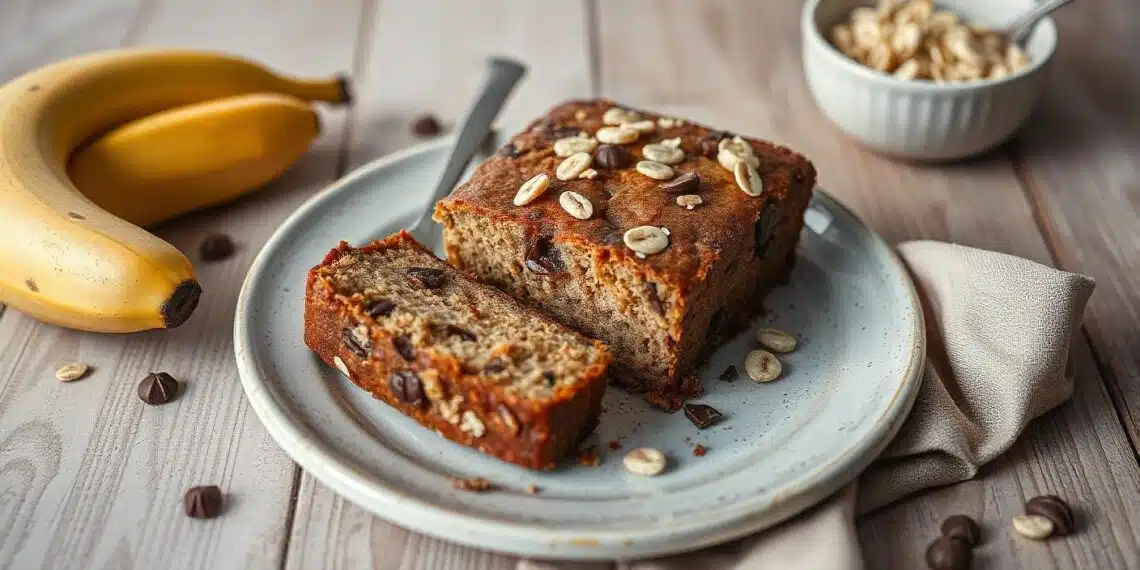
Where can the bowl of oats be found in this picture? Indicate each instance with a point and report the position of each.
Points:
(924, 81)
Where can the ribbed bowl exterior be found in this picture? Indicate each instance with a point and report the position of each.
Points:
(919, 120)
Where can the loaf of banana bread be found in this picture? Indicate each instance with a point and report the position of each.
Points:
(459, 357)
(654, 234)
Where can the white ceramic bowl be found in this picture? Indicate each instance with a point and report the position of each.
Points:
(923, 120)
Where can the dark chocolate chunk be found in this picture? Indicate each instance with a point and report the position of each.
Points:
(687, 183)
(216, 247)
(702, 415)
(353, 344)
(494, 367)
(709, 147)
(379, 308)
(203, 502)
(765, 226)
(158, 388)
(407, 387)
(799, 175)
(654, 300)
(429, 277)
(426, 125)
(962, 527)
(460, 332)
(549, 378)
(729, 374)
(948, 554)
(403, 345)
(1055, 509)
(717, 327)
(612, 156)
(542, 257)
(508, 150)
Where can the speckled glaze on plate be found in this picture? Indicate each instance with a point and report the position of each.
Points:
(781, 448)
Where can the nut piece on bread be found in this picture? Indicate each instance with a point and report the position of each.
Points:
(661, 311)
(457, 356)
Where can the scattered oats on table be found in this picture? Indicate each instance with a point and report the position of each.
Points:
(473, 484)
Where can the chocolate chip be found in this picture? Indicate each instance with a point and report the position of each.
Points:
(542, 257)
(379, 308)
(404, 346)
(508, 150)
(799, 175)
(158, 388)
(687, 183)
(460, 332)
(764, 227)
(612, 156)
(702, 415)
(353, 343)
(429, 277)
(494, 367)
(1055, 509)
(963, 528)
(948, 554)
(717, 327)
(426, 126)
(729, 374)
(654, 300)
(204, 502)
(216, 247)
(407, 387)
(548, 377)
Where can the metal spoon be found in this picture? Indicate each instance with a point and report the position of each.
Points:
(502, 75)
(1018, 31)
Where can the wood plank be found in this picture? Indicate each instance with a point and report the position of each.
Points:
(89, 476)
(736, 64)
(440, 75)
(1080, 159)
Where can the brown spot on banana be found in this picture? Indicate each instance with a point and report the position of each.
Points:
(32, 285)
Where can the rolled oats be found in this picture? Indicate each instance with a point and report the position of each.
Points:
(340, 365)
(748, 178)
(617, 135)
(776, 340)
(646, 240)
(576, 205)
(532, 189)
(471, 424)
(449, 409)
(729, 159)
(432, 387)
(689, 201)
(573, 165)
(914, 41)
(674, 142)
(71, 372)
(644, 461)
(654, 170)
(762, 366)
(645, 126)
(588, 174)
(573, 145)
(670, 122)
(1034, 527)
(617, 116)
(664, 154)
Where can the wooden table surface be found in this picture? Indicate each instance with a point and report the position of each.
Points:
(90, 478)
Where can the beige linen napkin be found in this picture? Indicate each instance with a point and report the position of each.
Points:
(998, 329)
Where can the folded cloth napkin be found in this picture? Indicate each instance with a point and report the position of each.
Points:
(998, 329)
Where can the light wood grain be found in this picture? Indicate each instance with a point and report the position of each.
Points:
(90, 477)
(441, 75)
(1081, 158)
(728, 63)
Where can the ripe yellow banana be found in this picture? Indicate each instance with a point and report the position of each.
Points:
(64, 259)
(158, 167)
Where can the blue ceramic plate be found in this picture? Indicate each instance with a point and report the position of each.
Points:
(783, 446)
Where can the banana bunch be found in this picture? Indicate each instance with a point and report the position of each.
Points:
(95, 147)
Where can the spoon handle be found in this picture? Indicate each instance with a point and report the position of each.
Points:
(503, 74)
(1020, 29)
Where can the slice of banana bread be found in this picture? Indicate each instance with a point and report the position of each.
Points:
(457, 356)
(654, 234)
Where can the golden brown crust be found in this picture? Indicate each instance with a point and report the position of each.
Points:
(533, 434)
(723, 255)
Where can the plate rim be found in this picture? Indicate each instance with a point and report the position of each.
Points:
(332, 469)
